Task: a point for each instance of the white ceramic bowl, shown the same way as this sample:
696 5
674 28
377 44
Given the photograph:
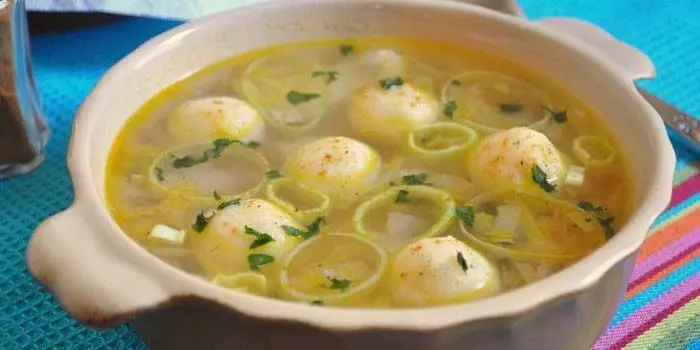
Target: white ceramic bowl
102 277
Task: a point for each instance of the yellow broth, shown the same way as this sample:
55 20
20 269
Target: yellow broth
515 217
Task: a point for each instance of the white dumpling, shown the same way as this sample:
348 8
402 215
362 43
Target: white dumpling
208 118
429 272
505 160
375 109
341 167
225 245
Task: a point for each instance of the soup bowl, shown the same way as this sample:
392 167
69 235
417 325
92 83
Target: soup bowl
102 278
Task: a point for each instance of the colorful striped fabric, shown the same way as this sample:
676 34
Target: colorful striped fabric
662 306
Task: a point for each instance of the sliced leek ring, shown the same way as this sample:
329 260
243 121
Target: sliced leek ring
444 207
198 179
490 102
577 231
315 203
440 140
267 82
335 268
594 151
249 282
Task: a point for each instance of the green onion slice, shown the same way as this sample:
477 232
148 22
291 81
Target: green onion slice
481 97
300 201
283 88
525 226
440 140
249 282
425 204
335 268
195 171
594 151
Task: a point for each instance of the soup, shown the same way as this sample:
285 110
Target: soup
371 173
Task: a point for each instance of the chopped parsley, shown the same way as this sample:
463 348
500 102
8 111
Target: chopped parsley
296 97
251 144
588 206
456 83
607 226
317 302
273 174
559 116
225 204
462 262
449 109
540 178
402 197
346 49
510 107
158 173
414 179
201 222
217 197
341 285
389 83
311 230
219 145
257 260
261 238
466 214
329 75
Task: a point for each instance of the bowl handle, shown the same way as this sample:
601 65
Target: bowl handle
95 285
633 63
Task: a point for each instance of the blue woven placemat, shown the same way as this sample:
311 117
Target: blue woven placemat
67 65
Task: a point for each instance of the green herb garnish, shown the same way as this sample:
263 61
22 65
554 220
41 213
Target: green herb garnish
389 83
466 214
257 260
225 204
342 285
188 161
273 174
217 197
540 178
449 109
219 145
588 206
201 222
402 197
558 116
329 75
317 302
414 179
607 226
462 262
251 144
296 97
456 83
261 238
510 107
311 230
346 49
158 173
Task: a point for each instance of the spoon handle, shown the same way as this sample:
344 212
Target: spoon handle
685 127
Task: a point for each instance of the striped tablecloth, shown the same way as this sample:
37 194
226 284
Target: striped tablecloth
661 310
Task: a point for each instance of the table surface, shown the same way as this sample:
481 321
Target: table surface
662 306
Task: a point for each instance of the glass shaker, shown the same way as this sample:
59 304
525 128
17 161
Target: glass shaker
23 129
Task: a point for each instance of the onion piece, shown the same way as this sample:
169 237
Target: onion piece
594 151
166 234
321 203
575 176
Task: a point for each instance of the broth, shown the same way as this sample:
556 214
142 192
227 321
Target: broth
368 173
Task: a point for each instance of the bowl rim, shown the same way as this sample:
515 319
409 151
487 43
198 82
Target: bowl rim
88 203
